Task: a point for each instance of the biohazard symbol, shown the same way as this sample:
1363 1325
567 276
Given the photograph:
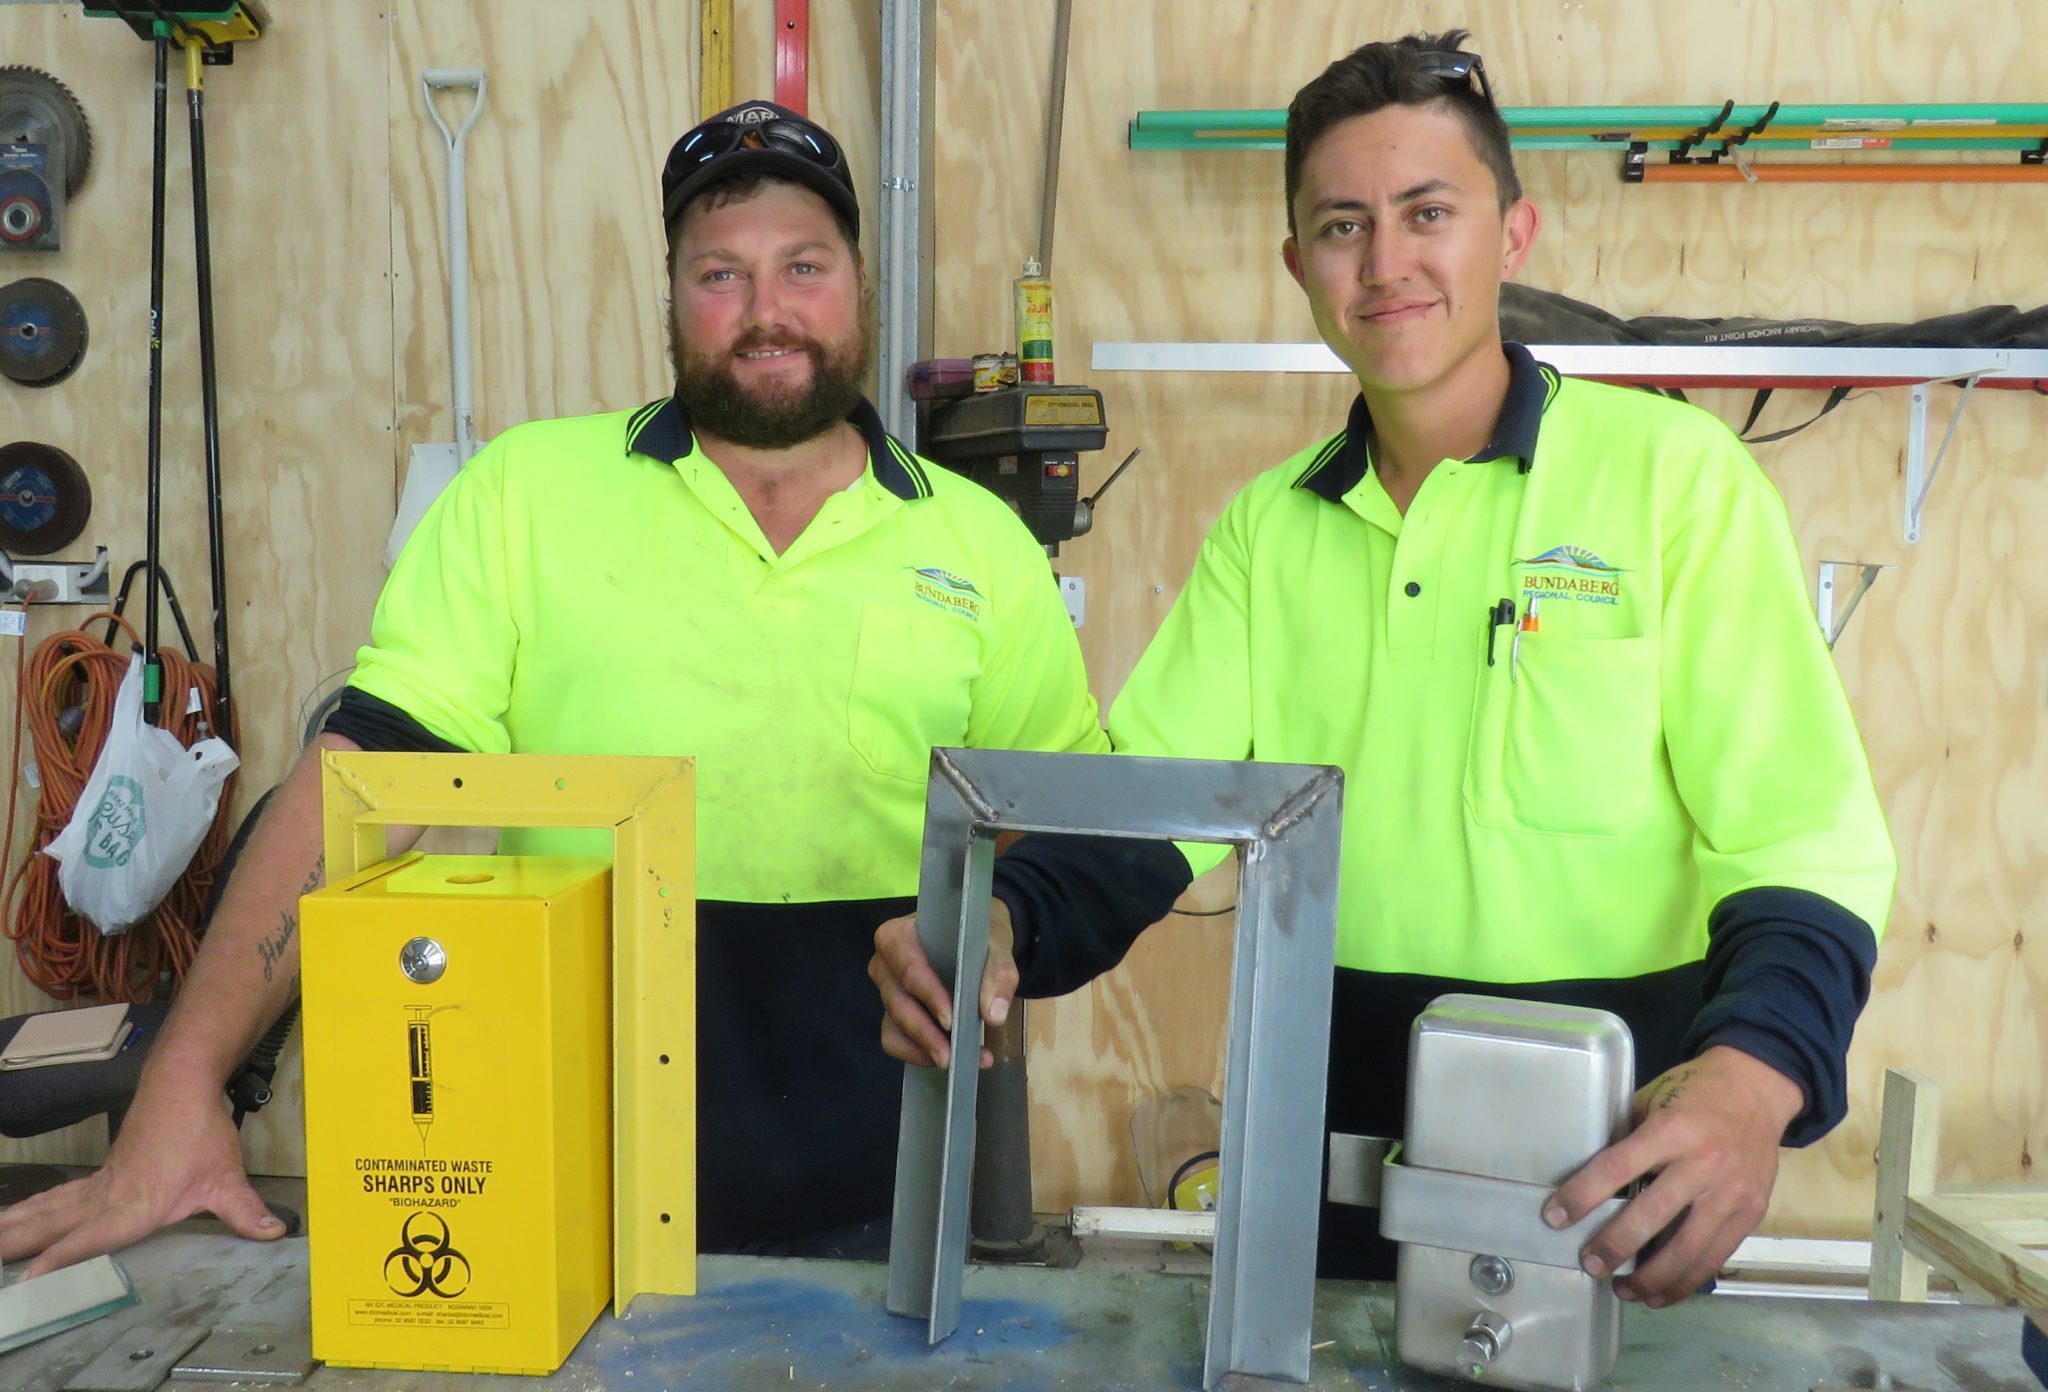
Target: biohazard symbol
424 1262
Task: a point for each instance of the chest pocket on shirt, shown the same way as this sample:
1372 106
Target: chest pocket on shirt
912 688
1569 744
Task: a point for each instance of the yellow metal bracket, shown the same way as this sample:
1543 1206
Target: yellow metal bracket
209 39
243 26
650 806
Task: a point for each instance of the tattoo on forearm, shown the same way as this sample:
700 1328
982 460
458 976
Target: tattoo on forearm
272 948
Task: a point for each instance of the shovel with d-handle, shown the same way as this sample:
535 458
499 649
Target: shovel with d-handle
431 467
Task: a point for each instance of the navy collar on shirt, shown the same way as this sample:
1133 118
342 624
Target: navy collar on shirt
1341 463
661 430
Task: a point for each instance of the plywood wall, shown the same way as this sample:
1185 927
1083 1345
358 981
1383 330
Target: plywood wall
1947 658
300 201
329 239
565 241
328 235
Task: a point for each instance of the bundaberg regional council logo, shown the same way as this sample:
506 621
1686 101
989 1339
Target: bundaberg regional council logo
947 591
1572 573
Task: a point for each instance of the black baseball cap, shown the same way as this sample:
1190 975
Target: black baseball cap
757 137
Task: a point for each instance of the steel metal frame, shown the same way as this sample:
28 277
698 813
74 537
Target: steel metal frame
1286 821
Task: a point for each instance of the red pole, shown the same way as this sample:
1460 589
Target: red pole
793 55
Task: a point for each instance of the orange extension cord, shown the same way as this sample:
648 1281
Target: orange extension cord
62 954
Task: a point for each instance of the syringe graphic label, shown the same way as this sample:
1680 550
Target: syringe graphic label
420 1050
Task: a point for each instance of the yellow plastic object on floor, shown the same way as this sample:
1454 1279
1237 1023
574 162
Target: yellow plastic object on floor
458 1128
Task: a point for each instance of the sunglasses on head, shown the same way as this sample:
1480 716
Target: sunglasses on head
798 137
1455 67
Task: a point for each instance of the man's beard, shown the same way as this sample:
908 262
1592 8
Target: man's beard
773 416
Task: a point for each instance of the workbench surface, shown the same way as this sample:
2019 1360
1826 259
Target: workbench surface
764 1324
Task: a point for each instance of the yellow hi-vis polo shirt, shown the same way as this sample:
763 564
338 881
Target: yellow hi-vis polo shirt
1564 793
595 585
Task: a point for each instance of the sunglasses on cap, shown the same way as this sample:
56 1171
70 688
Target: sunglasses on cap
1457 66
791 134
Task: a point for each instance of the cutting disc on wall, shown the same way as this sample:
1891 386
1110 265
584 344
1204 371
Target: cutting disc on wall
44 499
37 109
42 332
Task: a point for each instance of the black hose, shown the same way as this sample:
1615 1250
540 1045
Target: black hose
249 1089
223 699
153 672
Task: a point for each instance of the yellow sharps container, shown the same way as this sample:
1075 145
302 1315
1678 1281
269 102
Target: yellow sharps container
458 1053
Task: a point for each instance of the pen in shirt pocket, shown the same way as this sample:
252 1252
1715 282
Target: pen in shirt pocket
1528 624
1502 612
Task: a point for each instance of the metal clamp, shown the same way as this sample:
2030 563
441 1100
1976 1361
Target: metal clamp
1472 1213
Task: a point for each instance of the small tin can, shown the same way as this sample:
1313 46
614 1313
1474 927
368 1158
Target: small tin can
988 371
1009 371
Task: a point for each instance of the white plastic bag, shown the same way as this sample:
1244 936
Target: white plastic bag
143 813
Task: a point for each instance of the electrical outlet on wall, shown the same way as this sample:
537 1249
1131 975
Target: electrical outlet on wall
58 582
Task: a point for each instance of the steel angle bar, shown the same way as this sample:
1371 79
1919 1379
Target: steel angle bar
1684 364
935 1142
1285 820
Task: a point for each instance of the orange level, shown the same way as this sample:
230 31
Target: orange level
1626 135
1846 174
1902 135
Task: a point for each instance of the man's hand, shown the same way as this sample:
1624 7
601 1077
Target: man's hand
917 1024
176 1156
1709 1131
